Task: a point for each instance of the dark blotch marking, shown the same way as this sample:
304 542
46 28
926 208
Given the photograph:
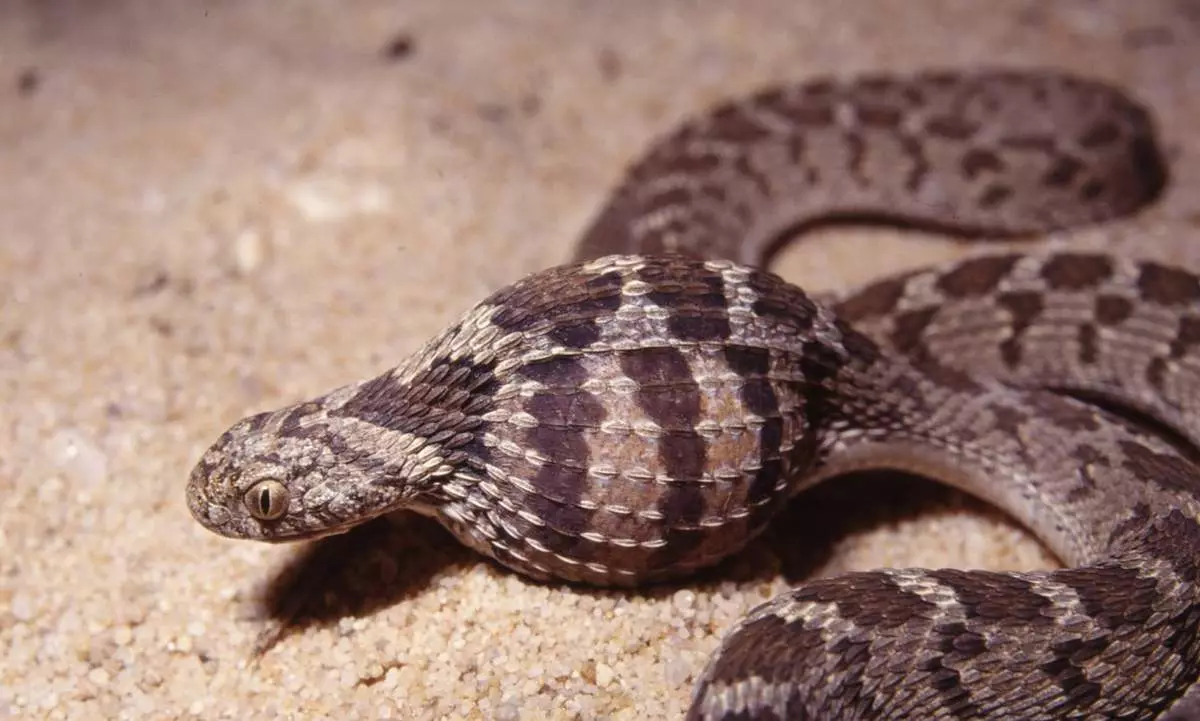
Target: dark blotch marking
1045 144
875 300
731 122
792 648
913 94
1008 419
700 328
1112 310
1095 585
953 643
1100 134
562 409
996 597
856 146
697 310
797 148
752 365
563 412
859 348
879 116
1187 337
819 361
610 64
919 170
878 85
820 87
670 397
28 82
1040 94
1076 271
1166 470
1092 189
908 332
400 47
1174 539
1064 413
1063 172
957 639
577 327
1184 641
994 196
258 421
1067 670
951 127
948 377
1089 349
563 372
290 426
579 336
1156 372
748 172
1147 160
781 302
446 395
1138 519
976 277
1168 286
559 488
977 161
1023 308
564 300
811 111
942 79
872 601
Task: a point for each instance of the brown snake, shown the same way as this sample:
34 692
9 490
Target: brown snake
628 418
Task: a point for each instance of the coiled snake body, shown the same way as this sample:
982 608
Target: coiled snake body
645 410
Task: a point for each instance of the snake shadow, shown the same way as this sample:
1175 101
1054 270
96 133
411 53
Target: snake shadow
354 574
385 562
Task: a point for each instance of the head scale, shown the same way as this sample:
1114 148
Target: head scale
304 471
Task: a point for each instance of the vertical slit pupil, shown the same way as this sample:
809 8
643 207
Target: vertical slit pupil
264 501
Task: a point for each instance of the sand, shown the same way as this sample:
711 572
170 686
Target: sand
214 208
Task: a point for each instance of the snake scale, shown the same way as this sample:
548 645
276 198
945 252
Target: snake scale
645 410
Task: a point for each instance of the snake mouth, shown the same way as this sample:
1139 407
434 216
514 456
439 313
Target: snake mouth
295 534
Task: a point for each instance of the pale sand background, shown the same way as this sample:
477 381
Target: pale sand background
213 208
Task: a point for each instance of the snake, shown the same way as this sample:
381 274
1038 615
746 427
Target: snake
646 408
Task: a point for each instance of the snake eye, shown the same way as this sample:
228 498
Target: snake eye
266 500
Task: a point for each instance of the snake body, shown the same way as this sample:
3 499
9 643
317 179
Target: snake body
646 409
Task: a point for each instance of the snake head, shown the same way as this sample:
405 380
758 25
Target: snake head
302 472
390 443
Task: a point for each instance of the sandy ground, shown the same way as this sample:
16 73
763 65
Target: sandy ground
214 208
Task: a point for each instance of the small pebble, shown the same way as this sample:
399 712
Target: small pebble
98 676
123 635
22 607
